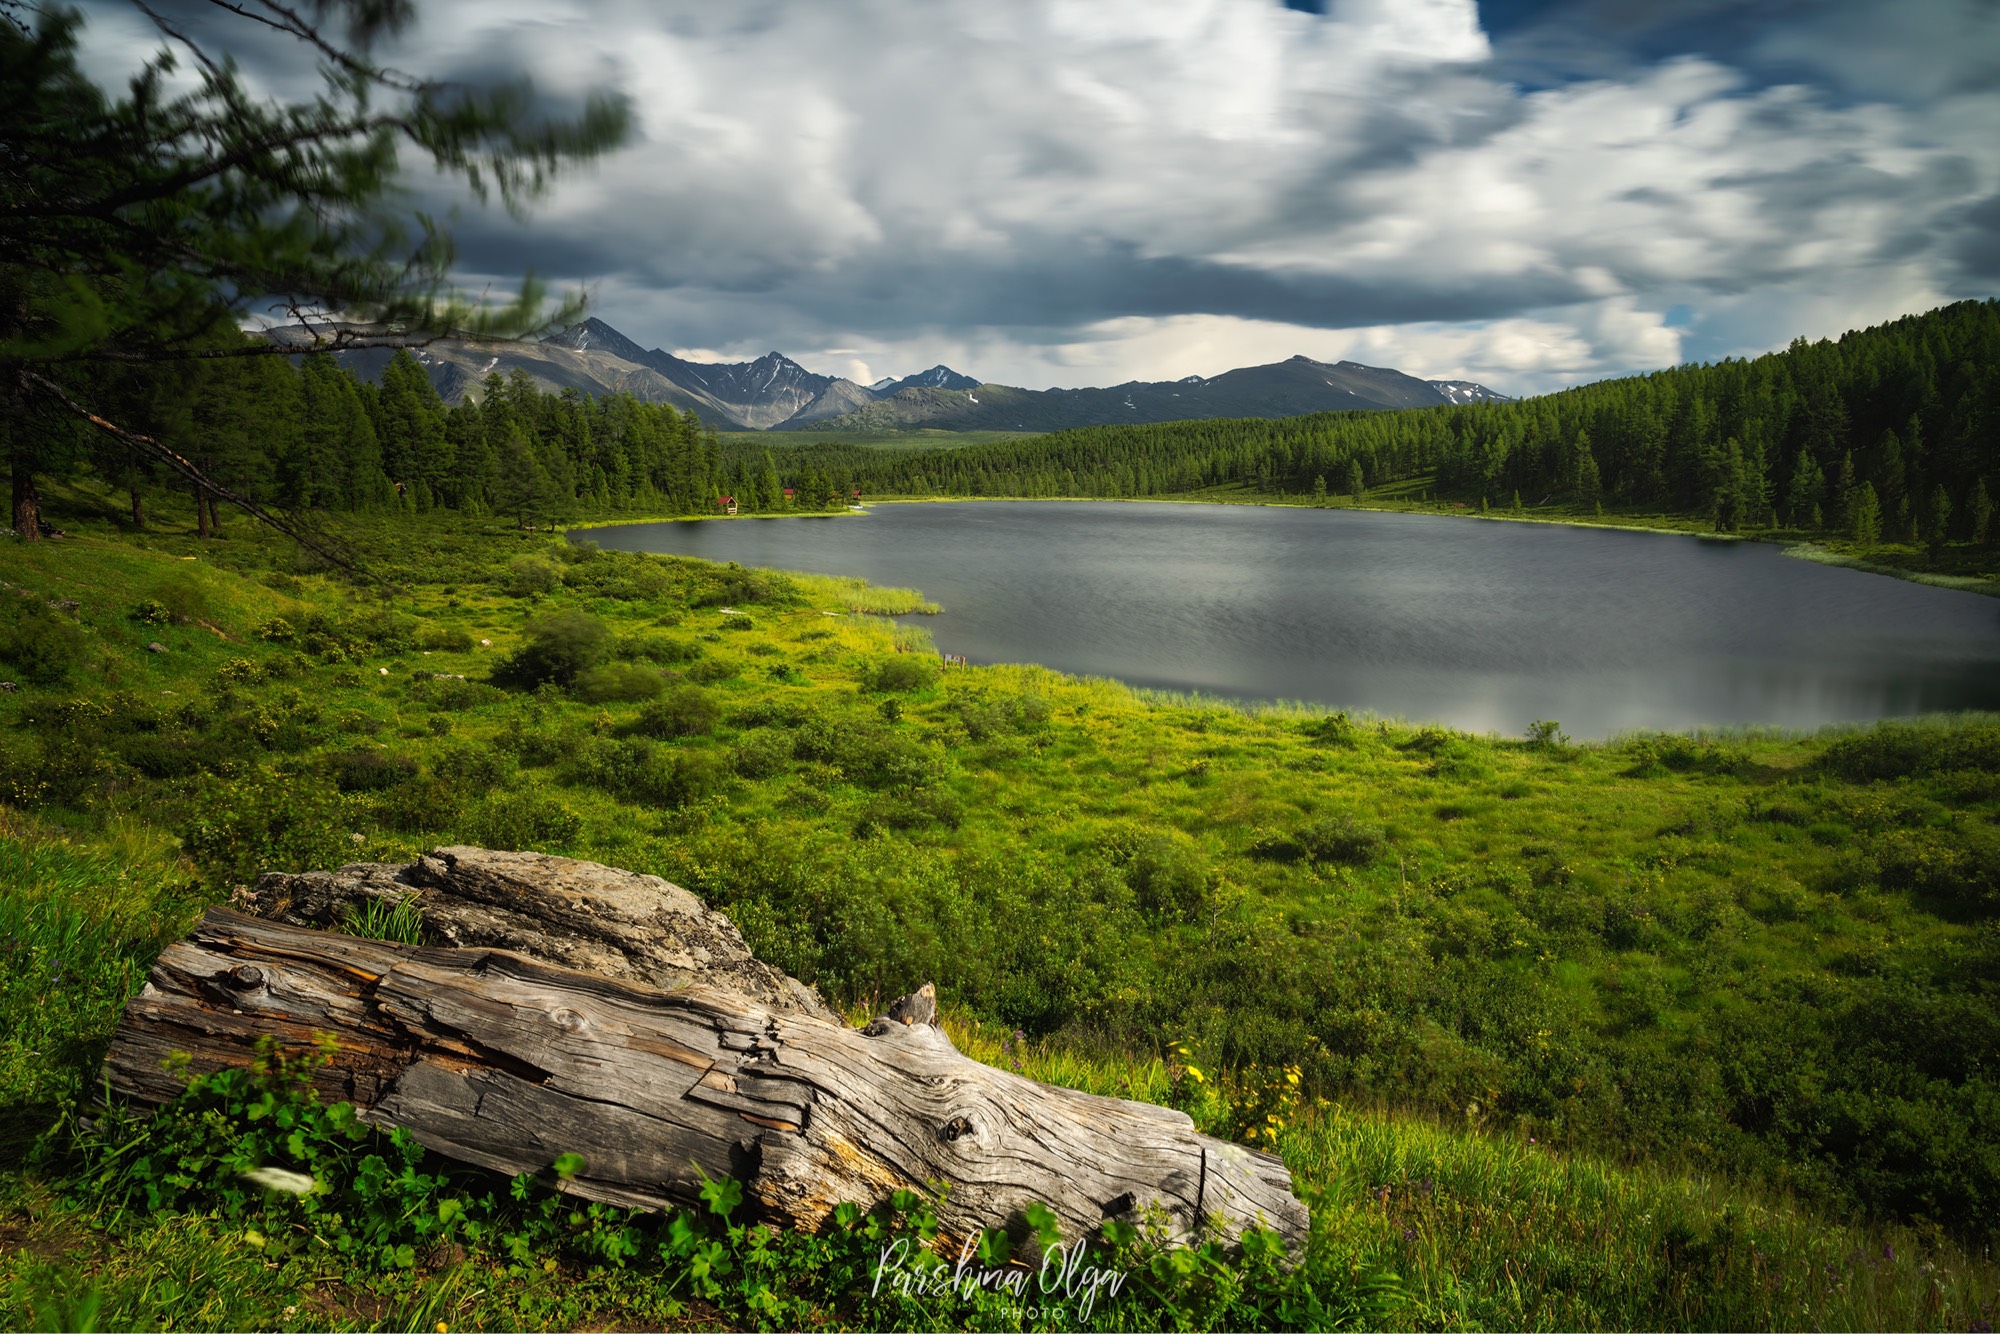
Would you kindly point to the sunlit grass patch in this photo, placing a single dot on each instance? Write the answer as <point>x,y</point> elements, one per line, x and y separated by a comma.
<point>850,594</point>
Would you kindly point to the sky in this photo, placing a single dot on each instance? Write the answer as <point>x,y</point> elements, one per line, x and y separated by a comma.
<point>1525,193</point>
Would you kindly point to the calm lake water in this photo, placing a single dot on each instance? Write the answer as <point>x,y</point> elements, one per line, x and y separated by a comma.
<point>1485,626</point>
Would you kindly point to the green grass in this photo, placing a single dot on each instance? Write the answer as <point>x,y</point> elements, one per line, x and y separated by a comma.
<point>1736,988</point>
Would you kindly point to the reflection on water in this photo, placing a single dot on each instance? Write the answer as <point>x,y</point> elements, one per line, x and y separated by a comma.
<point>1486,626</point>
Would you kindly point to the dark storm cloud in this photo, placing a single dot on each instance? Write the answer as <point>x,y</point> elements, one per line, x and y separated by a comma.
<point>1049,182</point>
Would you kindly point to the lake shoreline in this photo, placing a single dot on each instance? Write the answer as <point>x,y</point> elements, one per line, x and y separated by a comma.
<point>1255,607</point>
<point>1801,548</point>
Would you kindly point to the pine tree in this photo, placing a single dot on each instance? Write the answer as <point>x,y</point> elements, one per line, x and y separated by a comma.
<point>1864,520</point>
<point>1356,486</point>
<point>1937,520</point>
<point>1844,494</point>
<point>1982,512</point>
<point>139,228</point>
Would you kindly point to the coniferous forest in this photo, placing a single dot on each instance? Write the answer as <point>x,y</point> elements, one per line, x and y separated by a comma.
<point>1885,435</point>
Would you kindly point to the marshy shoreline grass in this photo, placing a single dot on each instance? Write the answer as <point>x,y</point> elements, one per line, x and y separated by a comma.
<point>1564,1016</point>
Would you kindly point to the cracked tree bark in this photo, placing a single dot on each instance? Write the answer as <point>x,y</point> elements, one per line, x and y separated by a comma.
<point>505,1061</point>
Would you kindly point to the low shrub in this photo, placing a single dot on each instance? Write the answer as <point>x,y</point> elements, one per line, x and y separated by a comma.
<point>763,753</point>
<point>239,828</point>
<point>996,717</point>
<point>709,671</point>
<point>683,711</point>
<point>655,648</point>
<point>559,647</point>
<point>617,682</point>
<point>528,576</point>
<point>1168,875</point>
<point>453,694</point>
<point>904,672</point>
<point>38,645</point>
<point>369,770</point>
<point>1340,839</point>
<point>637,770</point>
<point>445,639</point>
<point>522,822</point>
<point>1900,751</point>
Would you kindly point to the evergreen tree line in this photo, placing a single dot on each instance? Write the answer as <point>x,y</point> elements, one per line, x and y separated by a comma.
<point>306,434</point>
<point>1887,434</point>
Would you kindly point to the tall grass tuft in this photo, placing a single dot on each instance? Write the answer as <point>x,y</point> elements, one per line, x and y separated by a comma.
<point>860,595</point>
<point>79,927</point>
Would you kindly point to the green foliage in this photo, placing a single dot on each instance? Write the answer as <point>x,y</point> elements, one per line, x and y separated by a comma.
<point>523,822</point>
<point>400,922</point>
<point>559,648</point>
<point>1546,735</point>
<point>1168,876</point>
<point>369,770</point>
<point>684,711</point>
<point>236,829</point>
<point>257,1152</point>
<point>528,576</point>
<point>444,639</point>
<point>617,682</point>
<point>905,672</point>
<point>1340,839</point>
<point>38,644</point>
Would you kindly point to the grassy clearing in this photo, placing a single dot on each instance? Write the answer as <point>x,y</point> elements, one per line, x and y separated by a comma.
<point>1629,999</point>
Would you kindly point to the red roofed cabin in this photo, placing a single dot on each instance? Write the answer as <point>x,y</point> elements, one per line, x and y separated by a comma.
<point>789,493</point>
<point>727,504</point>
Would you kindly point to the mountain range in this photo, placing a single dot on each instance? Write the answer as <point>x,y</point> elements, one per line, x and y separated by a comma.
<point>776,393</point>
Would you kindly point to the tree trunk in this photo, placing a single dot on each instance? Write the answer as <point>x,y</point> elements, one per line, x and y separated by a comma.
<point>505,1061</point>
<point>201,513</point>
<point>27,506</point>
<point>213,527</point>
<point>138,500</point>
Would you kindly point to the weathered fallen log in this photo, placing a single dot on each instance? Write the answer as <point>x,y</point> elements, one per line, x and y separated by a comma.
<point>507,1062</point>
<point>578,914</point>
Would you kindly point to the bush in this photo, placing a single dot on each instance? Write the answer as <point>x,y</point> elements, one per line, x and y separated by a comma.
<point>444,639</point>
<point>1899,751</point>
<point>452,694</point>
<point>1335,729</point>
<point>560,647</point>
<point>37,644</point>
<point>762,754</point>
<point>682,712</point>
<point>616,682</point>
<point>733,584</point>
<point>1168,875</point>
<point>904,672</point>
<point>710,670</point>
<point>369,770</point>
<point>636,770</point>
<point>1341,839</point>
<point>277,630</point>
<point>240,829</point>
<point>530,575</point>
<point>175,600</point>
<point>523,822</point>
<point>658,649</point>
<point>994,717</point>
<point>425,803</point>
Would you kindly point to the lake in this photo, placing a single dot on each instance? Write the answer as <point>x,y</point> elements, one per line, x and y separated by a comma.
<point>1485,626</point>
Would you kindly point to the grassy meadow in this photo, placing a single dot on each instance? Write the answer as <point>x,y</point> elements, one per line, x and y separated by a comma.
<point>1669,1031</point>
